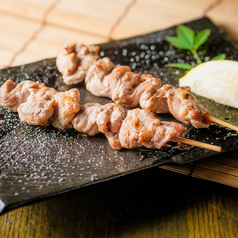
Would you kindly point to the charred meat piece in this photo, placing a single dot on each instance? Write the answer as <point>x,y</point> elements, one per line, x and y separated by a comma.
<point>153,99</point>
<point>142,128</point>
<point>130,87</point>
<point>95,80</point>
<point>12,95</point>
<point>122,75</point>
<point>119,83</point>
<point>38,108</point>
<point>94,118</point>
<point>149,100</point>
<point>185,107</point>
<point>75,60</point>
<point>40,105</point>
<point>180,102</point>
<point>66,106</point>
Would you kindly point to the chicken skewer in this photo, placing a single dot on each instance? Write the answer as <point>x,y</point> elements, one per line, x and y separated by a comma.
<point>126,88</point>
<point>41,105</point>
<point>142,128</point>
<point>37,104</point>
<point>129,89</point>
<point>75,60</point>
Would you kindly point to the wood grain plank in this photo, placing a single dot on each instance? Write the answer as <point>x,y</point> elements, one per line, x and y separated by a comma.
<point>229,158</point>
<point>89,16</point>
<point>225,15</point>
<point>146,16</point>
<point>222,165</point>
<point>50,41</point>
<point>13,37</point>
<point>153,203</point>
<point>34,10</point>
<point>6,56</point>
<point>207,214</point>
<point>215,176</point>
<point>182,169</point>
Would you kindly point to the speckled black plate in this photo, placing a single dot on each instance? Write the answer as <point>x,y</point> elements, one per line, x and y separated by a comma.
<point>38,162</point>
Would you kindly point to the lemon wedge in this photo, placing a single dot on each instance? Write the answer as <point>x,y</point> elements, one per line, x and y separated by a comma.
<point>216,80</point>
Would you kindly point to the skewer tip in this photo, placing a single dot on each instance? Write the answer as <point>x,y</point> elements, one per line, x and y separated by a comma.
<point>223,123</point>
<point>198,144</point>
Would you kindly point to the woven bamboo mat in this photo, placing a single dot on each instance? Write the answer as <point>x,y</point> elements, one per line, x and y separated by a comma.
<point>34,30</point>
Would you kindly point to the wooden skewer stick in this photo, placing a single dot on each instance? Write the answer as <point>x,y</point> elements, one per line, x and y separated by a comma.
<point>197,143</point>
<point>223,123</point>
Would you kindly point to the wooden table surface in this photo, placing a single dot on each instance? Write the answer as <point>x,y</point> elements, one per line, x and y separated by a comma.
<point>195,200</point>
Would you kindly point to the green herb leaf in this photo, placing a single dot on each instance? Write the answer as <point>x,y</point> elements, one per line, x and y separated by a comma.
<point>201,37</point>
<point>178,43</point>
<point>187,40</point>
<point>180,65</point>
<point>187,35</point>
<point>219,57</point>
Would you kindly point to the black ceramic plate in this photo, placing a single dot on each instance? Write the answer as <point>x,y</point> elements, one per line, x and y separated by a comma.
<point>38,162</point>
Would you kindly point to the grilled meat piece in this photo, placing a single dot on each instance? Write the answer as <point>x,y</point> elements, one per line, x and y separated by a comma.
<point>66,106</point>
<point>142,128</point>
<point>154,100</point>
<point>38,108</point>
<point>185,107</point>
<point>40,105</point>
<point>130,86</point>
<point>119,83</point>
<point>75,60</point>
<point>180,102</point>
<point>12,95</point>
<point>94,118</point>
<point>95,78</point>
<point>47,106</point>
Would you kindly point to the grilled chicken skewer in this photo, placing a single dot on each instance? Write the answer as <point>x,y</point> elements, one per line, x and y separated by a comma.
<point>126,88</point>
<point>37,104</point>
<point>75,60</point>
<point>107,119</point>
<point>129,89</point>
<point>41,105</point>
<point>142,128</point>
